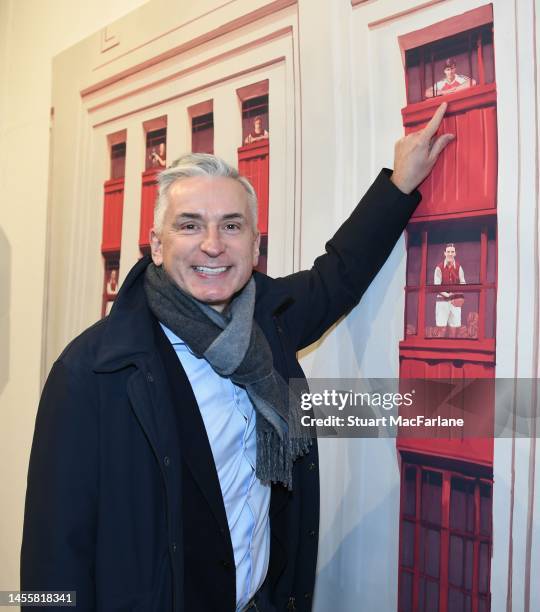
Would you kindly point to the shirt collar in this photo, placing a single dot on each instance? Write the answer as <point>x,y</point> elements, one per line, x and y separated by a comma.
<point>172,337</point>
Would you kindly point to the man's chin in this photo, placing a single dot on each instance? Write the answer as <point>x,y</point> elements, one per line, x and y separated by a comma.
<point>217,302</point>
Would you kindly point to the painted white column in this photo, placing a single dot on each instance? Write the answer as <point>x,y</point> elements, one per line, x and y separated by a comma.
<point>516,563</point>
<point>281,211</point>
<point>227,124</point>
<point>178,132</point>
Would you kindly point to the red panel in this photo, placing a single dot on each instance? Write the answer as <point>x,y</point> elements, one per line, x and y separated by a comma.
<point>148,201</point>
<point>445,539</point>
<point>448,27</point>
<point>478,450</point>
<point>465,176</point>
<point>254,164</point>
<point>113,204</point>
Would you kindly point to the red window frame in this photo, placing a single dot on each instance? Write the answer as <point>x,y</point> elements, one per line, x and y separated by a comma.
<point>434,521</point>
<point>425,57</point>
<point>481,342</point>
<point>202,129</point>
<point>118,160</point>
<point>251,108</point>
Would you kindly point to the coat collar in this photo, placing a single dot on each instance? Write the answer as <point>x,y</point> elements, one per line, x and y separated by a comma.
<point>128,335</point>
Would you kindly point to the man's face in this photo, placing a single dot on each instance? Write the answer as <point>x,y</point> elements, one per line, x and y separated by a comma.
<point>450,254</point>
<point>450,73</point>
<point>258,126</point>
<point>208,244</point>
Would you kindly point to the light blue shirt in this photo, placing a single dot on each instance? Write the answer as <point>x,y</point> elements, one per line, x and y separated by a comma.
<point>229,419</point>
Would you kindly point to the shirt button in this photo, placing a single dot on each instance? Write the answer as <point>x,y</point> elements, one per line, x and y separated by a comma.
<point>166,461</point>
<point>149,377</point>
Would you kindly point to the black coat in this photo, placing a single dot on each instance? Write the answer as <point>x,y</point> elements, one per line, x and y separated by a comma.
<point>119,488</point>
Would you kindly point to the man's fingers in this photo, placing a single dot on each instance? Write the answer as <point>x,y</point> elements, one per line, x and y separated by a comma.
<point>431,128</point>
<point>439,145</point>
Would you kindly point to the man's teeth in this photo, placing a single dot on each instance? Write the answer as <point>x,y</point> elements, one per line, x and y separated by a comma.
<point>205,270</point>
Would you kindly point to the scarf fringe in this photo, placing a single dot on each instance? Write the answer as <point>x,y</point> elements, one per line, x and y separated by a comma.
<point>275,459</point>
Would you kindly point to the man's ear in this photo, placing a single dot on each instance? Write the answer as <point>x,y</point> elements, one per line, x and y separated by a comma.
<point>256,248</point>
<point>156,247</point>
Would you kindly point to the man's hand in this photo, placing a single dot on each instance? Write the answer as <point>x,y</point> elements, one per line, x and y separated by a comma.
<point>416,154</point>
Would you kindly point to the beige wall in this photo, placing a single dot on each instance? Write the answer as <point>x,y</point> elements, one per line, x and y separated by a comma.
<point>31,34</point>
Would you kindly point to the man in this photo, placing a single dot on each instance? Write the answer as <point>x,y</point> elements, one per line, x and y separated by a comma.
<point>449,303</point>
<point>168,471</point>
<point>452,81</point>
<point>257,133</point>
<point>158,158</point>
<point>112,283</point>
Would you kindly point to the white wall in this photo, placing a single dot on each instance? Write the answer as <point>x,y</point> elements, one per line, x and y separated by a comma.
<point>31,34</point>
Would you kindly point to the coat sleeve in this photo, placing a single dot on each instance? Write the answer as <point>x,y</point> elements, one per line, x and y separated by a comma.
<point>58,548</point>
<point>354,255</point>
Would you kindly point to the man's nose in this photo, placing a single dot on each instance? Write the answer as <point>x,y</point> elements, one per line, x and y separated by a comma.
<point>212,244</point>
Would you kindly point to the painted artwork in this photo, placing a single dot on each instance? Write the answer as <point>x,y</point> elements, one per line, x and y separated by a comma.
<point>111,282</point>
<point>450,308</point>
<point>156,149</point>
<point>255,119</point>
<point>254,163</point>
<point>450,64</point>
<point>416,513</point>
<point>257,131</point>
<point>451,82</point>
<point>202,133</point>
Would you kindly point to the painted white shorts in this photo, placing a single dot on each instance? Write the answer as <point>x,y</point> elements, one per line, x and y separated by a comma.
<point>447,314</point>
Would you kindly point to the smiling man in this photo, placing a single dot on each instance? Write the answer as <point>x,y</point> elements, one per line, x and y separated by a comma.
<point>205,235</point>
<point>169,471</point>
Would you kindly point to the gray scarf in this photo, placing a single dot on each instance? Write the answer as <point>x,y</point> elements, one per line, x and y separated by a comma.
<point>235,347</point>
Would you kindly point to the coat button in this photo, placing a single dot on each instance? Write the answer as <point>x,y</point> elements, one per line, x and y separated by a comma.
<point>149,377</point>
<point>226,564</point>
<point>173,547</point>
<point>312,533</point>
<point>166,461</point>
<point>311,466</point>
<point>307,595</point>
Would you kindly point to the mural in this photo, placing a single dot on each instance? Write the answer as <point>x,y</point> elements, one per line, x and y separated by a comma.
<point>446,490</point>
<point>254,162</point>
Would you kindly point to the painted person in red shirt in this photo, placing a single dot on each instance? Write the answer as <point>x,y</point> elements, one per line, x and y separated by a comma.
<point>452,81</point>
<point>448,304</point>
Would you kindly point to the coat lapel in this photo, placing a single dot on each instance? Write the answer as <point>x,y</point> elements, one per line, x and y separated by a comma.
<point>196,450</point>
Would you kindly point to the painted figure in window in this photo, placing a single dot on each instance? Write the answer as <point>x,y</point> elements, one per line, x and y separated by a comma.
<point>452,81</point>
<point>448,304</point>
<point>112,283</point>
<point>158,156</point>
<point>257,132</point>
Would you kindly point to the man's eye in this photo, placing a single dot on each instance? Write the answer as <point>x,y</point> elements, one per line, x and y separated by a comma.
<point>189,226</point>
<point>232,227</point>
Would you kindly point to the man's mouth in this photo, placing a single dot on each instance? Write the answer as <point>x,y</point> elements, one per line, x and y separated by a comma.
<point>210,271</point>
